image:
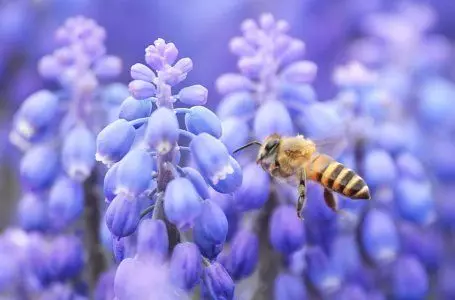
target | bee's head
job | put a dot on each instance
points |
(268, 151)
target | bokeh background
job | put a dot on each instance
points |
(414, 38)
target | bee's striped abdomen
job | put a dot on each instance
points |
(336, 177)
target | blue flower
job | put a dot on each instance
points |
(67, 257)
(380, 170)
(134, 173)
(409, 166)
(107, 67)
(78, 153)
(66, 202)
(122, 215)
(239, 105)
(213, 161)
(198, 182)
(379, 237)
(320, 272)
(286, 230)
(272, 117)
(114, 141)
(110, 183)
(39, 167)
(152, 238)
(162, 130)
(299, 72)
(36, 113)
(182, 204)
(321, 121)
(186, 266)
(142, 72)
(408, 271)
(210, 230)
(345, 256)
(230, 83)
(193, 95)
(414, 201)
(289, 287)
(32, 212)
(217, 284)
(132, 109)
(200, 119)
(254, 191)
(352, 292)
(243, 255)
(235, 133)
(141, 89)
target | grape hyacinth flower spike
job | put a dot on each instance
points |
(152, 197)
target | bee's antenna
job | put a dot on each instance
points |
(247, 145)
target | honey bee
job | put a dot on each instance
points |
(297, 156)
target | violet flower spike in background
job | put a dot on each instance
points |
(154, 202)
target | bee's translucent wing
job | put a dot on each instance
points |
(333, 146)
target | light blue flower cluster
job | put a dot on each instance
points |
(154, 203)
(56, 130)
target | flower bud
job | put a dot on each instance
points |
(184, 65)
(294, 51)
(134, 173)
(105, 287)
(351, 291)
(170, 53)
(415, 201)
(243, 255)
(67, 257)
(198, 182)
(142, 72)
(409, 272)
(114, 141)
(182, 204)
(217, 284)
(66, 203)
(231, 82)
(272, 117)
(289, 287)
(300, 72)
(108, 66)
(235, 133)
(393, 137)
(32, 213)
(132, 109)
(251, 66)
(78, 153)
(286, 230)
(320, 273)
(113, 94)
(379, 237)
(210, 230)
(152, 238)
(409, 166)
(36, 113)
(39, 167)
(122, 215)
(141, 89)
(162, 130)
(200, 119)
(322, 121)
(153, 58)
(193, 95)
(237, 104)
(110, 183)
(49, 67)
(254, 191)
(379, 168)
(241, 47)
(345, 256)
(296, 95)
(186, 266)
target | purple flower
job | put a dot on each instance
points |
(407, 272)
(39, 167)
(142, 72)
(182, 204)
(36, 113)
(235, 133)
(379, 237)
(198, 182)
(141, 89)
(289, 287)
(110, 183)
(379, 168)
(162, 130)
(240, 105)
(254, 191)
(409, 166)
(345, 256)
(243, 255)
(186, 266)
(152, 238)
(320, 272)
(32, 212)
(210, 230)
(231, 83)
(299, 72)
(217, 284)
(352, 292)
(105, 287)
(108, 66)
(66, 203)
(134, 172)
(122, 215)
(114, 141)
(67, 257)
(286, 230)
(200, 119)
(78, 153)
(272, 117)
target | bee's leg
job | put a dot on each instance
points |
(301, 202)
(331, 202)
